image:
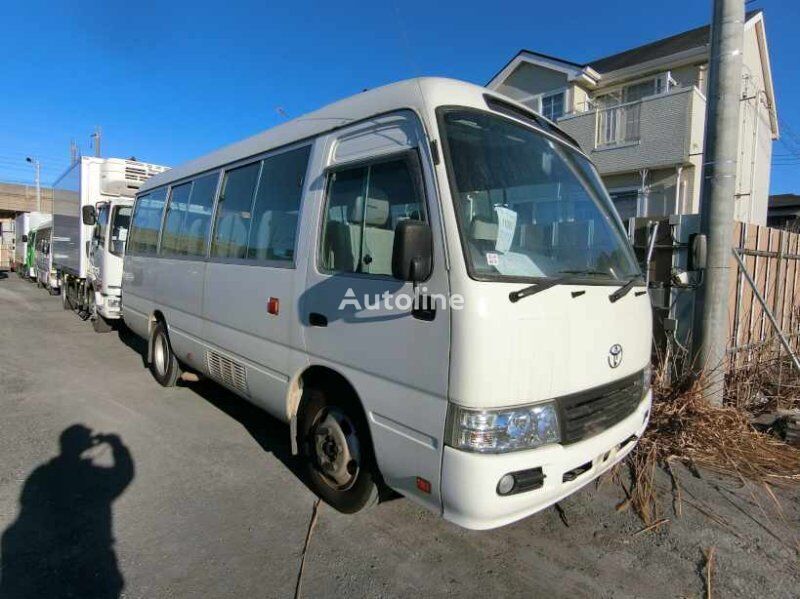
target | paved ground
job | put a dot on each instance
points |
(202, 500)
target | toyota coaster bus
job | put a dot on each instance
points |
(427, 281)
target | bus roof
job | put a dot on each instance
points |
(417, 94)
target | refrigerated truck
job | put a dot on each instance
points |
(23, 225)
(88, 182)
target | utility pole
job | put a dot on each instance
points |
(38, 166)
(717, 199)
(96, 140)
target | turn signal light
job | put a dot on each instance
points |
(424, 485)
(273, 306)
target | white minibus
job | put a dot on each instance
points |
(427, 281)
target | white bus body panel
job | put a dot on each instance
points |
(490, 354)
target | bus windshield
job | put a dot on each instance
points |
(529, 207)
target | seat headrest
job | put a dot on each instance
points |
(483, 230)
(377, 211)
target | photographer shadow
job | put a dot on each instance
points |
(62, 543)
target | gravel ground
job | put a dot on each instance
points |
(195, 494)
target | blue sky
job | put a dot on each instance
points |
(170, 82)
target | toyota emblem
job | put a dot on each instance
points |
(615, 355)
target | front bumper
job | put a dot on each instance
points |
(469, 480)
(108, 305)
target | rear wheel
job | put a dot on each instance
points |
(339, 461)
(163, 363)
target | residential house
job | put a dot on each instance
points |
(640, 116)
(784, 212)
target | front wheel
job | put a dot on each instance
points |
(339, 462)
(163, 363)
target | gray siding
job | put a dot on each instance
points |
(664, 135)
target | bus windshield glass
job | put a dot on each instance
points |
(530, 207)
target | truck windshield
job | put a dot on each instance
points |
(529, 207)
(119, 229)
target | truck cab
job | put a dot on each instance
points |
(106, 253)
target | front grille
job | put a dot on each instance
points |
(590, 412)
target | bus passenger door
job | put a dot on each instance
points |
(358, 319)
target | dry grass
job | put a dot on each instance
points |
(720, 439)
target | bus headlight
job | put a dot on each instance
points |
(647, 379)
(500, 431)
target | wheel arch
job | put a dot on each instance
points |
(326, 379)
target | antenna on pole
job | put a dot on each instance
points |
(95, 137)
(73, 152)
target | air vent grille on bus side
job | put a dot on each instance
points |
(227, 371)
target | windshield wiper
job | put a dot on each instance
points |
(586, 272)
(515, 296)
(623, 291)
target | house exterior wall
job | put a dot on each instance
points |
(530, 80)
(665, 129)
(690, 75)
(578, 99)
(671, 128)
(755, 138)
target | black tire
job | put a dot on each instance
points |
(163, 364)
(348, 485)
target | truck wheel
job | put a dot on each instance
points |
(338, 459)
(65, 301)
(164, 365)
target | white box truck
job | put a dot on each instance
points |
(89, 182)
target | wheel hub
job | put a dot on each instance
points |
(336, 449)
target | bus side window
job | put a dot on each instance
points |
(364, 206)
(277, 206)
(194, 231)
(147, 222)
(176, 214)
(232, 226)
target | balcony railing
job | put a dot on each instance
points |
(618, 124)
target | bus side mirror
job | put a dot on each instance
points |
(89, 215)
(698, 252)
(412, 254)
(24, 239)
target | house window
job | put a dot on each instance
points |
(553, 106)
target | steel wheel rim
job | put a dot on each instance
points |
(336, 449)
(160, 354)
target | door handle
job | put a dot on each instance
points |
(315, 319)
